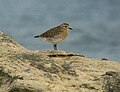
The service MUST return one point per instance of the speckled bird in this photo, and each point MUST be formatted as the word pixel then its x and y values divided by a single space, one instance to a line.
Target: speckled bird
pixel 56 34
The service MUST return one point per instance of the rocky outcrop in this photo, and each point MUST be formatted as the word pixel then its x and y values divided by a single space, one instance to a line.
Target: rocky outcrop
pixel 23 70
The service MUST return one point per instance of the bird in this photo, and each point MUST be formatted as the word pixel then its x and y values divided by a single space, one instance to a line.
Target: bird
pixel 56 34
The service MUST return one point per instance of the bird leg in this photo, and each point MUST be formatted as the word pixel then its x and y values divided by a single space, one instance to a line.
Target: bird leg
pixel 55 46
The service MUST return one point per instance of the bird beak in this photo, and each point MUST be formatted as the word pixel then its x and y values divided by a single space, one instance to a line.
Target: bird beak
pixel 70 28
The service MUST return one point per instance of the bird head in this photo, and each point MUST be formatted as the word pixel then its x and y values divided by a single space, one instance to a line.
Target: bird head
pixel 65 26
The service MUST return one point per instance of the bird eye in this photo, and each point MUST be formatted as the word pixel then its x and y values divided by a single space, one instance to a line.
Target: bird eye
pixel 65 26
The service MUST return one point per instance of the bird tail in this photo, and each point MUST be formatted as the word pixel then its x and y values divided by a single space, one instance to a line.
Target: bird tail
pixel 36 36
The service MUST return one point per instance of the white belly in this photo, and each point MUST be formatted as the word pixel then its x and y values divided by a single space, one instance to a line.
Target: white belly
pixel 53 40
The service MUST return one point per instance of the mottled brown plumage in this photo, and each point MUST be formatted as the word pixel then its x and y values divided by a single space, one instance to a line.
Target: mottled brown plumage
pixel 56 34
pixel 52 32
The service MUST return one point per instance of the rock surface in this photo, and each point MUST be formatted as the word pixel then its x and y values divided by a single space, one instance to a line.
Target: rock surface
pixel 23 70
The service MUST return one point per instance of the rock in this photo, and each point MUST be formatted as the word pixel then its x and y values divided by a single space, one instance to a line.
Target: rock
pixel 112 81
pixel 23 70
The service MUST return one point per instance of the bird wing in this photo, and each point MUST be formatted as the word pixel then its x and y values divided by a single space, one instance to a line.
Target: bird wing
pixel 52 32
